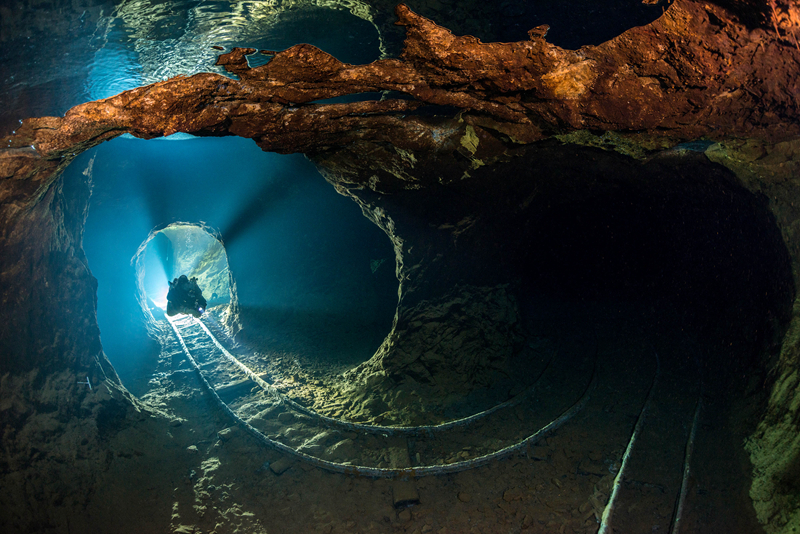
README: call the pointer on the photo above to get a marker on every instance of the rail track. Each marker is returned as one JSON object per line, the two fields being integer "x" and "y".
{"x": 381, "y": 451}
{"x": 647, "y": 442}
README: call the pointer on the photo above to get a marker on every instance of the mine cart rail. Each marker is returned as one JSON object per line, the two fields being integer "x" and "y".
{"x": 259, "y": 414}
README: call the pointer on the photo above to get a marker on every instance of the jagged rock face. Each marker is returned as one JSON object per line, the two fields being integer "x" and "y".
{"x": 685, "y": 73}
{"x": 700, "y": 70}
{"x": 54, "y": 426}
{"x": 53, "y": 290}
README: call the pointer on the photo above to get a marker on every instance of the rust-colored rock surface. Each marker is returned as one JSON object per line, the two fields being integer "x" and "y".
{"x": 696, "y": 71}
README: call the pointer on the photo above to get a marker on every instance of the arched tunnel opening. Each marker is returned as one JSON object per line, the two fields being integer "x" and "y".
{"x": 668, "y": 272}
{"x": 272, "y": 267}
{"x": 673, "y": 249}
{"x": 677, "y": 239}
{"x": 183, "y": 249}
{"x": 670, "y": 258}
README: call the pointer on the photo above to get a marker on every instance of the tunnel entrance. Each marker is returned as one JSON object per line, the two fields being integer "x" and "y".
{"x": 191, "y": 250}
{"x": 673, "y": 271}
{"x": 311, "y": 290}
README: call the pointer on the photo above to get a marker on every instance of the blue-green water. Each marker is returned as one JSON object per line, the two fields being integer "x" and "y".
{"x": 58, "y": 54}
{"x": 298, "y": 251}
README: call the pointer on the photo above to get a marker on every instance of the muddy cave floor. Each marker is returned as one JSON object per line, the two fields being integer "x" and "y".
{"x": 196, "y": 471}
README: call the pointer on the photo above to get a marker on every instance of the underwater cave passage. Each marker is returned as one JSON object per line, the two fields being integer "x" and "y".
{"x": 182, "y": 249}
{"x": 679, "y": 278}
{"x": 314, "y": 278}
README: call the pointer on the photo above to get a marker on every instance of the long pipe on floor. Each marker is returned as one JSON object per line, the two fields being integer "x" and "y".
{"x": 377, "y": 472}
{"x": 687, "y": 467}
{"x": 374, "y": 429}
{"x": 605, "y": 522}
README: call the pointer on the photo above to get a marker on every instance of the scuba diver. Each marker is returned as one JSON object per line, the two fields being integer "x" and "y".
{"x": 186, "y": 297}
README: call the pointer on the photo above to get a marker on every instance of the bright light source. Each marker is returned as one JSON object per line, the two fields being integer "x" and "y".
{"x": 182, "y": 249}
{"x": 161, "y": 301}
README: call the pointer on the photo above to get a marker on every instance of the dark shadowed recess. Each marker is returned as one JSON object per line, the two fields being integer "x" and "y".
{"x": 677, "y": 230}
{"x": 573, "y": 23}
{"x": 676, "y": 240}
{"x": 751, "y": 14}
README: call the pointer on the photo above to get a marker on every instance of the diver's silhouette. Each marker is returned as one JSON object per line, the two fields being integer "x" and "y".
{"x": 185, "y": 297}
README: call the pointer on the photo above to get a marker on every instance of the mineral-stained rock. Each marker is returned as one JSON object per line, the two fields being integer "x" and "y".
{"x": 724, "y": 70}
{"x": 695, "y": 71}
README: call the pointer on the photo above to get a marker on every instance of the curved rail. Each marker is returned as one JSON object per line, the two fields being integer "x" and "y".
{"x": 374, "y": 429}
{"x": 379, "y": 472}
{"x": 687, "y": 470}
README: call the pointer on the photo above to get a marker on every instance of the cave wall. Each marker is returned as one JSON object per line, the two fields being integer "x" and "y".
{"x": 54, "y": 425}
{"x": 510, "y": 94}
{"x": 48, "y": 286}
{"x": 771, "y": 170}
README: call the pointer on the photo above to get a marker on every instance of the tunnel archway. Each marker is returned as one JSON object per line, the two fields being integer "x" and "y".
{"x": 298, "y": 276}
{"x": 189, "y": 249}
{"x": 677, "y": 237}
{"x": 672, "y": 252}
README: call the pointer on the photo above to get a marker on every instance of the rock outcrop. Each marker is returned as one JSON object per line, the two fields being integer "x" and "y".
{"x": 723, "y": 70}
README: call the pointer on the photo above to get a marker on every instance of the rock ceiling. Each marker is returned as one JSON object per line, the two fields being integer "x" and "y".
{"x": 696, "y": 71}
{"x": 724, "y": 71}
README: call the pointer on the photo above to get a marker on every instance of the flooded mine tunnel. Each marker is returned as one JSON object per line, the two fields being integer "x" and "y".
{"x": 483, "y": 301}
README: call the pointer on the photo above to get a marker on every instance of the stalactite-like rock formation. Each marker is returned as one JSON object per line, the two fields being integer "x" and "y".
{"x": 724, "y": 70}
{"x": 695, "y": 71}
